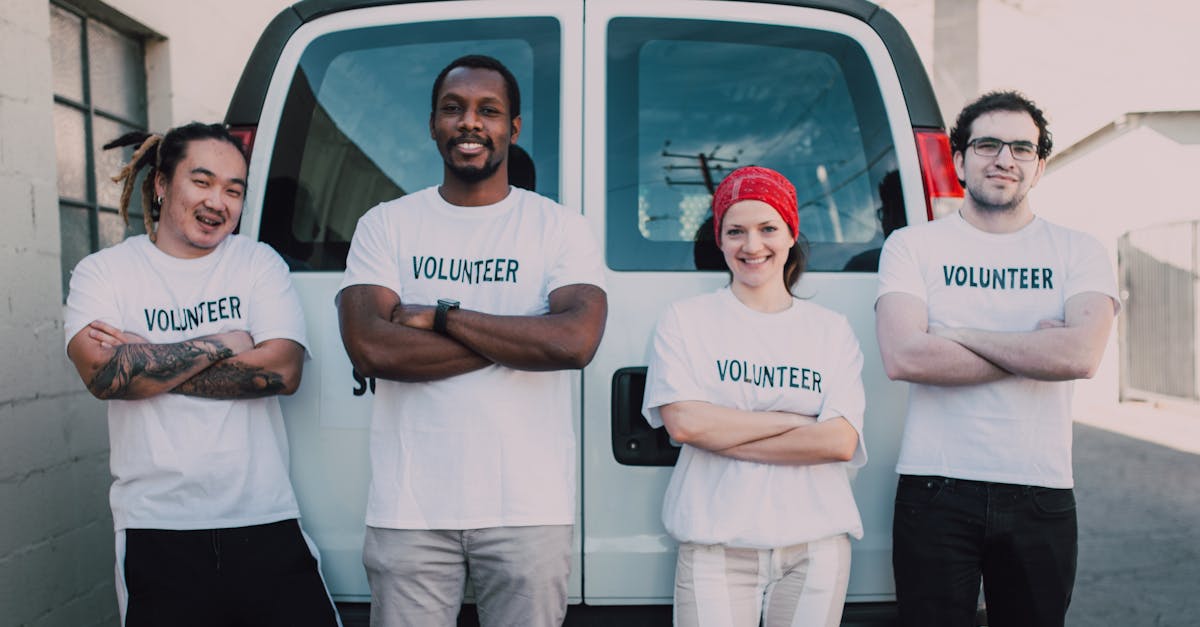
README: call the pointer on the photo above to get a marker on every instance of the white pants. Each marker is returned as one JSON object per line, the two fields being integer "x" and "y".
{"x": 803, "y": 585}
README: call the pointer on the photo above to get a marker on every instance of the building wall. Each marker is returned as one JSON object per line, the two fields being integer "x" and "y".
{"x": 1084, "y": 62}
{"x": 56, "y": 540}
{"x": 192, "y": 73}
{"x": 1128, "y": 183}
{"x": 55, "y": 527}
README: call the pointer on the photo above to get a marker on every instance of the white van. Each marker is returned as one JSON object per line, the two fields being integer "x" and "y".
{"x": 633, "y": 110}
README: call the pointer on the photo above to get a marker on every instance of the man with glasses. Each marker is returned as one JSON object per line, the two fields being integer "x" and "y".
{"x": 990, "y": 313}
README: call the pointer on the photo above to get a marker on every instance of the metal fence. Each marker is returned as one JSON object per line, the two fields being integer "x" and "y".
{"x": 1158, "y": 272}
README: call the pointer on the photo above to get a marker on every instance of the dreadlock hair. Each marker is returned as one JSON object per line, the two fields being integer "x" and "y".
{"x": 161, "y": 153}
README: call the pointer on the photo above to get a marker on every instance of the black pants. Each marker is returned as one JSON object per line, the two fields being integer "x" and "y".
{"x": 262, "y": 575}
{"x": 949, "y": 532}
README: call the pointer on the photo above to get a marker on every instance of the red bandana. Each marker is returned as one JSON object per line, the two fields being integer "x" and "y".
{"x": 756, "y": 183}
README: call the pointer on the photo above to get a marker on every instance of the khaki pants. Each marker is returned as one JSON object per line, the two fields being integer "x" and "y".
{"x": 803, "y": 585}
{"x": 519, "y": 575}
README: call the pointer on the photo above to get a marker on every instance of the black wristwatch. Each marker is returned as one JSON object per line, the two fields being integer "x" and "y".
{"x": 439, "y": 317}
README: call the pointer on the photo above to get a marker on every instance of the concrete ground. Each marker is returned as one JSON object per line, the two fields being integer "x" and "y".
{"x": 1137, "y": 470}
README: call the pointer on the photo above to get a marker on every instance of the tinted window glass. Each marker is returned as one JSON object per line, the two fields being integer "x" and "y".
{"x": 690, "y": 100}
{"x": 355, "y": 125}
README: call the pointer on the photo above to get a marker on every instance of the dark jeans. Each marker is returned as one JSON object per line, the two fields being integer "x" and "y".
{"x": 949, "y": 532}
{"x": 262, "y": 575}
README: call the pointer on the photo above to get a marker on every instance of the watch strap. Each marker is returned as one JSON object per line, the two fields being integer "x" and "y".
{"x": 444, "y": 306}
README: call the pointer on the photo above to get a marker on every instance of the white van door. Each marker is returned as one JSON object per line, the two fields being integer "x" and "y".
{"x": 345, "y": 125}
{"x": 677, "y": 95}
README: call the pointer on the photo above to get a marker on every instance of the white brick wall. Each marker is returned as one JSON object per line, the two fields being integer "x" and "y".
{"x": 56, "y": 554}
{"x": 56, "y": 541}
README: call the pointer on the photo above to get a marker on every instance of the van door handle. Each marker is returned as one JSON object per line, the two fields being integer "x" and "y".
{"x": 634, "y": 443}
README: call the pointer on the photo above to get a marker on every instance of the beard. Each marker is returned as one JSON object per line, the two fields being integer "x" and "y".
{"x": 993, "y": 204}
{"x": 469, "y": 173}
{"x": 474, "y": 174}
{"x": 989, "y": 205}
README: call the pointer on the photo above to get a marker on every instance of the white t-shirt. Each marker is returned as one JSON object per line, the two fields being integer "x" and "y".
{"x": 804, "y": 360}
{"x": 181, "y": 462}
{"x": 489, "y": 448}
{"x": 1015, "y": 430}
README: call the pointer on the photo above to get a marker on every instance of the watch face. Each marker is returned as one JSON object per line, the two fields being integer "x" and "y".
{"x": 448, "y": 302}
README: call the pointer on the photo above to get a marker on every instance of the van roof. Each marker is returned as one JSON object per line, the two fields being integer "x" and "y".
{"x": 245, "y": 107}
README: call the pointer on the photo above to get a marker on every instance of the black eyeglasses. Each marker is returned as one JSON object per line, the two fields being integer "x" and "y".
{"x": 990, "y": 147}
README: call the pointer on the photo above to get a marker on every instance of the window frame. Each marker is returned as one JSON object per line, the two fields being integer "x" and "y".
{"x": 87, "y": 107}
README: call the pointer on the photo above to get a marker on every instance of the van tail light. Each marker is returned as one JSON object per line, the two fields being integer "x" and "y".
{"x": 246, "y": 135}
{"x": 943, "y": 193}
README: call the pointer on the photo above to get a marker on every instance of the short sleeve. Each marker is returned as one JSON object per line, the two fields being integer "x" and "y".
{"x": 899, "y": 269}
{"x": 578, "y": 259}
{"x": 671, "y": 375}
{"x": 1090, "y": 270}
{"x": 844, "y": 395}
{"x": 89, "y": 298}
{"x": 275, "y": 311}
{"x": 373, "y": 258}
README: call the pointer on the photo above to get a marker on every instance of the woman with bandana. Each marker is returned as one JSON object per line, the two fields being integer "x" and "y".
{"x": 763, "y": 390}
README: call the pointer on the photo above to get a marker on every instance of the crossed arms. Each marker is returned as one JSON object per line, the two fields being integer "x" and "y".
{"x": 388, "y": 339}
{"x": 769, "y": 437}
{"x": 115, "y": 364}
{"x": 1056, "y": 350}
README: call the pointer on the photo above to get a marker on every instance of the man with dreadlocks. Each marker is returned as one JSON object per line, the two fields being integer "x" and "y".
{"x": 191, "y": 333}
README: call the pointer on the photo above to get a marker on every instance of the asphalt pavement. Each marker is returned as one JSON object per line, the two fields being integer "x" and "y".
{"x": 1137, "y": 485}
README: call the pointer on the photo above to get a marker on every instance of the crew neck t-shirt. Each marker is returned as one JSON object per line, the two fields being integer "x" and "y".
{"x": 805, "y": 360}
{"x": 1016, "y": 430}
{"x": 182, "y": 462}
{"x": 494, "y": 447}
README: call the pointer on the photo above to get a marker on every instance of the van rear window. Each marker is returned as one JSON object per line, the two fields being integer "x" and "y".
{"x": 354, "y": 130}
{"x": 690, "y": 100}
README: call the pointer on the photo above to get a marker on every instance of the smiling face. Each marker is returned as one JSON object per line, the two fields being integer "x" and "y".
{"x": 202, "y": 201}
{"x": 755, "y": 241}
{"x": 999, "y": 183}
{"x": 472, "y": 125}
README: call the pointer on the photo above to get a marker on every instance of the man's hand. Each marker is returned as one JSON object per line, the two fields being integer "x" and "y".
{"x": 916, "y": 352}
{"x": 565, "y": 338}
{"x": 380, "y": 342}
{"x": 109, "y": 336}
{"x": 388, "y": 339}
{"x": 414, "y": 316}
{"x": 249, "y": 371}
{"x": 1056, "y": 350}
{"x": 117, "y": 365}
{"x": 271, "y": 368}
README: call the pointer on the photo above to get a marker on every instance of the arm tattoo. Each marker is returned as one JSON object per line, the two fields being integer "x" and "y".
{"x": 157, "y": 362}
{"x": 232, "y": 380}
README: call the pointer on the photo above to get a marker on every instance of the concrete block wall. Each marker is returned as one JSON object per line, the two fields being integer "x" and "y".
{"x": 56, "y": 540}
